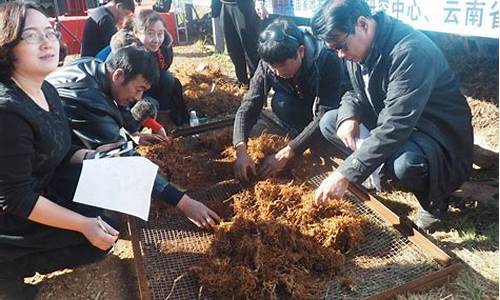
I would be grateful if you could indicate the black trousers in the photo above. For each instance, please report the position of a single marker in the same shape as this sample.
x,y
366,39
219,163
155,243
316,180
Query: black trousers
x,y
168,93
23,238
294,115
241,26
27,247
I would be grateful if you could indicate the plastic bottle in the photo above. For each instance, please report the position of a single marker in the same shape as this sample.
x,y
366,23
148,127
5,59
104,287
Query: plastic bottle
x,y
193,120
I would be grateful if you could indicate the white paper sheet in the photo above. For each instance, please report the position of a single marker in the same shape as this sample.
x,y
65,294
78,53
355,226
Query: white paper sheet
x,y
122,184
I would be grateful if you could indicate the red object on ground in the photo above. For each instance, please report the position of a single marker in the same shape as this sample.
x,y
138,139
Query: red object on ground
x,y
72,29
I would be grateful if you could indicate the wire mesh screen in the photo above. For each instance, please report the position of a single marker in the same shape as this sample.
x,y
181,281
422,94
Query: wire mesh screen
x,y
167,273
172,245
386,259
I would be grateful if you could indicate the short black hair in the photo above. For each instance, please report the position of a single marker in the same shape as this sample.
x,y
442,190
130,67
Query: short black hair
x,y
135,61
127,4
338,16
279,41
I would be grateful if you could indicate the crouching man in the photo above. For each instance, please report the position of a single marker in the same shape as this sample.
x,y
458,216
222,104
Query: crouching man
x,y
408,98
92,92
306,78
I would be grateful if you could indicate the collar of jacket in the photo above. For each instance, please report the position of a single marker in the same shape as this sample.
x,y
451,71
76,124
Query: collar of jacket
x,y
313,50
96,71
108,104
103,80
381,41
98,13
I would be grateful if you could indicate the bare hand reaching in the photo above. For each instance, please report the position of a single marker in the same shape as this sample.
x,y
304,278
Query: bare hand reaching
x,y
244,165
198,213
332,187
275,163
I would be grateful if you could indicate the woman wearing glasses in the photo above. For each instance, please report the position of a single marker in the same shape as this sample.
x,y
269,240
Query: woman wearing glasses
x,y
39,230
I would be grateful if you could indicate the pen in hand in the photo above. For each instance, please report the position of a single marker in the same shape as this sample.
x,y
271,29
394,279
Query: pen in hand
x,y
100,222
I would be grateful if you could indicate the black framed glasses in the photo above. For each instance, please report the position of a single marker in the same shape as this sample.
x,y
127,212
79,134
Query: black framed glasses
x,y
276,36
36,37
339,45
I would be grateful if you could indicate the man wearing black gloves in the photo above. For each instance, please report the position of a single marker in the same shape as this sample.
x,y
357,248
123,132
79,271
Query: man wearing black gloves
x,y
307,80
93,91
409,100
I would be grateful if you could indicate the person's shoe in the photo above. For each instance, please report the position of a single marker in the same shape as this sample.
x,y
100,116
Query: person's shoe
x,y
425,219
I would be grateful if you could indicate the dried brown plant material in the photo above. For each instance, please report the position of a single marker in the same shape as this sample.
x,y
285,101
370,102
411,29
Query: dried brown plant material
x,y
186,166
223,210
258,148
266,260
215,142
478,75
274,242
333,225
209,92
278,244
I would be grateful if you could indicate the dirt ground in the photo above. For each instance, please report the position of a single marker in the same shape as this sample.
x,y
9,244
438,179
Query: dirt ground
x,y
469,233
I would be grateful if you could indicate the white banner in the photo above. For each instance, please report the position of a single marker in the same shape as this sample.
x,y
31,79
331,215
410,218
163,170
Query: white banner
x,y
464,17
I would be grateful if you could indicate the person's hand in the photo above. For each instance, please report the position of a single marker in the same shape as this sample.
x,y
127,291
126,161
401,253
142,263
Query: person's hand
x,y
334,186
261,10
347,132
99,233
273,164
90,154
107,147
197,212
243,165
150,138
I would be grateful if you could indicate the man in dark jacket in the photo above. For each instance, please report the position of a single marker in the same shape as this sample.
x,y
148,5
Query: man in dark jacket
x,y
93,91
406,95
306,78
101,25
